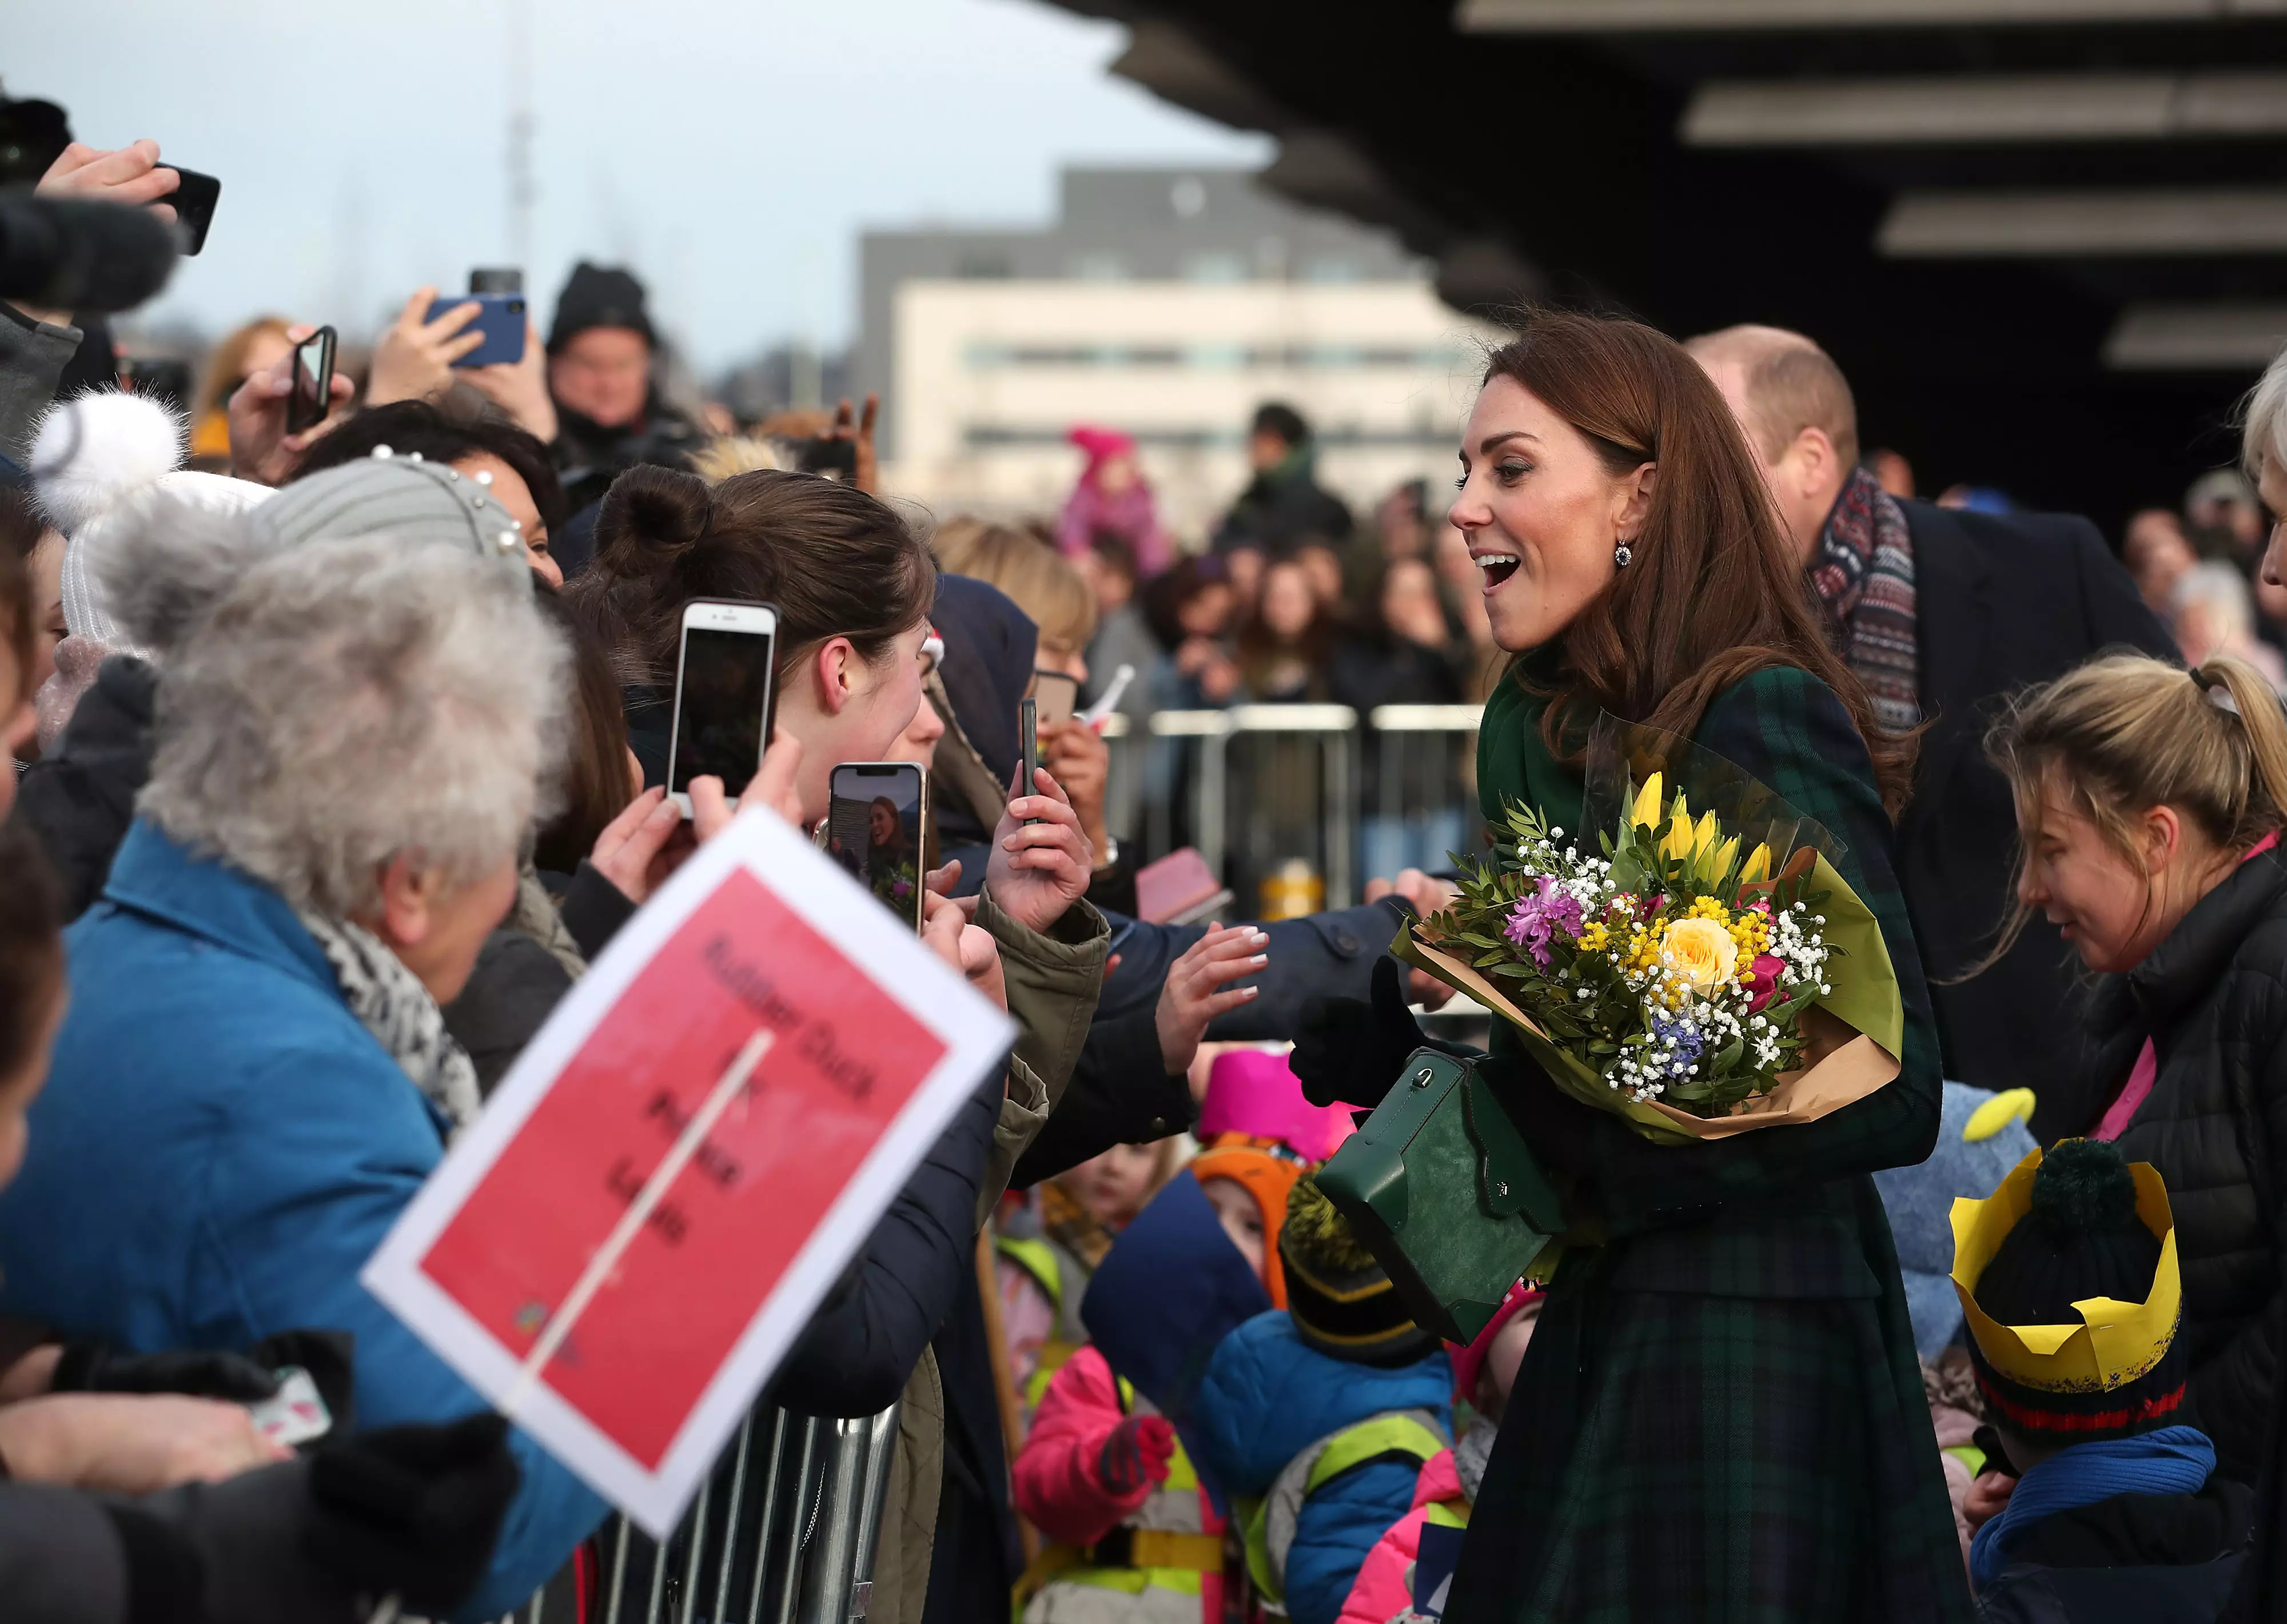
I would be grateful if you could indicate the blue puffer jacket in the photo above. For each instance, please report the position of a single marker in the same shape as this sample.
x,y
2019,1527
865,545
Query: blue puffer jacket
x,y
220,1147
1266,1397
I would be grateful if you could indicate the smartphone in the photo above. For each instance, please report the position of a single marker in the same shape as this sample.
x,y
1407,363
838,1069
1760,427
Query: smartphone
x,y
194,202
161,379
723,695
873,830
828,454
313,395
1058,696
501,319
496,279
1028,738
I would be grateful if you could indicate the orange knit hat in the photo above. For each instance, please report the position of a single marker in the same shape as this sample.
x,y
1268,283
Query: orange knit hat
x,y
1266,1170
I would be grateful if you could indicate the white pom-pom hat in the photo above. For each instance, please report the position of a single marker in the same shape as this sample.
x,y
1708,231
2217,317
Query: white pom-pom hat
x,y
92,456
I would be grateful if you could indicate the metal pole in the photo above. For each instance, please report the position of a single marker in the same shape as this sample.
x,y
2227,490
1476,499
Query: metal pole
x,y
880,1451
695,1525
731,1520
805,1513
619,1573
841,1556
1340,880
773,1475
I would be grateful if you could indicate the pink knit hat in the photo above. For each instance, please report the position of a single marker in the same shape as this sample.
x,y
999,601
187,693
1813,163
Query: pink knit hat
x,y
1258,1094
1469,1362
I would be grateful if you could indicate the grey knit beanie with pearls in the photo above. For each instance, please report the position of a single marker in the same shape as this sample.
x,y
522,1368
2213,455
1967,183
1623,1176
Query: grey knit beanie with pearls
x,y
404,497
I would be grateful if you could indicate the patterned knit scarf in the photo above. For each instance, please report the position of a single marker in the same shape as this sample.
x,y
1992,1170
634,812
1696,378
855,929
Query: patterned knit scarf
x,y
392,1005
1864,575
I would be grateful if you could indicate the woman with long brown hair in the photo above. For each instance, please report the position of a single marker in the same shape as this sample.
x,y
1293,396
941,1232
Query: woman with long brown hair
x,y
1720,1415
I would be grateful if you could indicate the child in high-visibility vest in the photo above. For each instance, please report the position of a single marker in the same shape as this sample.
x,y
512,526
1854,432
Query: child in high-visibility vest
x,y
1049,1244
1137,1541
1483,1372
1319,1417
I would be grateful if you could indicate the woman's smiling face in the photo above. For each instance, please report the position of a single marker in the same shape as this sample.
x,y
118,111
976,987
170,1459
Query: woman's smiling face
x,y
1542,513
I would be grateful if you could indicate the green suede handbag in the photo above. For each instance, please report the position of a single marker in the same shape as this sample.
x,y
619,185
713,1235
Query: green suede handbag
x,y
1439,1185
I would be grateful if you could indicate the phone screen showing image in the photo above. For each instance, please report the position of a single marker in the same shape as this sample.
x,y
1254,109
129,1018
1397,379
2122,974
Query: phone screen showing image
x,y
721,704
873,830
1055,695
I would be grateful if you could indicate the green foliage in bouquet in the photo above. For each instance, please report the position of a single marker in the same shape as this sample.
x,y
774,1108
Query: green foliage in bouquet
x,y
1668,962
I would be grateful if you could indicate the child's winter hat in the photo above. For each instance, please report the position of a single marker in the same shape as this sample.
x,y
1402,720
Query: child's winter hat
x,y
1342,1301
2067,1276
1256,1093
98,458
1470,1360
1980,1136
1267,1170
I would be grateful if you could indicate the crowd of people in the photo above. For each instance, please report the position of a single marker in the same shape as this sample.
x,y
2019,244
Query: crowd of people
x,y
341,754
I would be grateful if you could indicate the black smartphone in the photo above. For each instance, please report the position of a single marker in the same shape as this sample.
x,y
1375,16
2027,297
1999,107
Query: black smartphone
x,y
161,379
496,279
1028,740
722,695
873,830
194,202
827,455
313,395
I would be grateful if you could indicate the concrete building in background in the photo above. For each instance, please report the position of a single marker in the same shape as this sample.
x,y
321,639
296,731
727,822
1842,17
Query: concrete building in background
x,y
1167,304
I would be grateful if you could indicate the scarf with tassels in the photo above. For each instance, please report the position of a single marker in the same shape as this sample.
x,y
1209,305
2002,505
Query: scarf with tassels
x,y
1864,572
390,1002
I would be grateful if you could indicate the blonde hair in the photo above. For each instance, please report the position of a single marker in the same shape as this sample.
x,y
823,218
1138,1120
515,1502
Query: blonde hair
x,y
2263,420
1039,580
226,364
2127,733
734,453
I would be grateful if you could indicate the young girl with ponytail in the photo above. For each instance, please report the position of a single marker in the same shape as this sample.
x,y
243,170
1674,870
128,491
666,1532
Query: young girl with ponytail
x,y
2150,802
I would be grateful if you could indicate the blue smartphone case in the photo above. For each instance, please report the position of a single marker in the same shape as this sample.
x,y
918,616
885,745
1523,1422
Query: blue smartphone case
x,y
502,320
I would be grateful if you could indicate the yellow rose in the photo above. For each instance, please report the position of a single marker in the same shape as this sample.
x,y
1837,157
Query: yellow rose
x,y
1700,951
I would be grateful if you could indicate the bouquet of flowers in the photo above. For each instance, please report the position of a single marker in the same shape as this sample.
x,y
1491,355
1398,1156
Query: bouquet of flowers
x,y
1697,972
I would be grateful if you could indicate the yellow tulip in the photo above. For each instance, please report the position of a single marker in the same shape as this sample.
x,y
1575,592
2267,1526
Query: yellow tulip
x,y
1759,866
1704,836
1646,810
1721,863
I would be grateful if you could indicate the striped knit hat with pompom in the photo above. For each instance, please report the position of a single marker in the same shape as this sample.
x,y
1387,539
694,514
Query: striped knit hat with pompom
x,y
1342,1301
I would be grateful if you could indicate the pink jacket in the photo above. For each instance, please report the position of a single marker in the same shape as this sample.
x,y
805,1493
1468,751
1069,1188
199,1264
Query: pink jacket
x,y
1384,1586
1058,1487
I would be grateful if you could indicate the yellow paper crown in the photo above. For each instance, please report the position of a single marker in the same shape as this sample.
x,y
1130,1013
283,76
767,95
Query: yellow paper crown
x,y
2116,1342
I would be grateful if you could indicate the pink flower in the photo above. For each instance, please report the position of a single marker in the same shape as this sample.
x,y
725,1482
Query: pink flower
x,y
1536,917
1763,980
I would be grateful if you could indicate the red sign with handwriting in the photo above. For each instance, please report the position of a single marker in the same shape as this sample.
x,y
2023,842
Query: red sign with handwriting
x,y
635,1232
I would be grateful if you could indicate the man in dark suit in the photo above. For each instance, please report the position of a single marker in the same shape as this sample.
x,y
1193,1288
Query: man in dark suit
x,y
1944,614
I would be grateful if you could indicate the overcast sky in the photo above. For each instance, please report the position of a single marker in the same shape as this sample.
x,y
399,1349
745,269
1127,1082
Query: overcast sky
x,y
730,150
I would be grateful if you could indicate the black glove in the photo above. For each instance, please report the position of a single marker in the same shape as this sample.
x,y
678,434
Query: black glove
x,y
412,1511
95,1367
1349,1052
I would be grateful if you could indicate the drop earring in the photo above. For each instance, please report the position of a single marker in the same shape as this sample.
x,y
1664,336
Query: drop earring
x,y
1621,555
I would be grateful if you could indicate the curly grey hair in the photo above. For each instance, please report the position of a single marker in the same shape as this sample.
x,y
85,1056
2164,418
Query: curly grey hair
x,y
351,701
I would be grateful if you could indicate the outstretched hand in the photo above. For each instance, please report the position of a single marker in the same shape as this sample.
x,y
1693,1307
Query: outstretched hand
x,y
649,840
1196,993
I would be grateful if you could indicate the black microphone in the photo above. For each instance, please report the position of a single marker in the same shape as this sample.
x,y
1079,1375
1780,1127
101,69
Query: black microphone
x,y
74,254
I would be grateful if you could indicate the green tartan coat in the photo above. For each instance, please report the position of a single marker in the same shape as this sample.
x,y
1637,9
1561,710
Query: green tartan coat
x,y
1720,1416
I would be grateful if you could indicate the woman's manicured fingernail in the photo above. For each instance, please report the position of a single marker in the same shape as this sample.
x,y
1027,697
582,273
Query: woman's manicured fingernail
x,y
1252,992
1259,960
1261,937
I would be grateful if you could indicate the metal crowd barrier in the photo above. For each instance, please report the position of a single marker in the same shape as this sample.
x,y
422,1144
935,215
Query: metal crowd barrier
x,y
783,1531
1257,784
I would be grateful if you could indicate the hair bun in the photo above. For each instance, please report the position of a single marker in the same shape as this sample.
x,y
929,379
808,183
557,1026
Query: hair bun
x,y
652,514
